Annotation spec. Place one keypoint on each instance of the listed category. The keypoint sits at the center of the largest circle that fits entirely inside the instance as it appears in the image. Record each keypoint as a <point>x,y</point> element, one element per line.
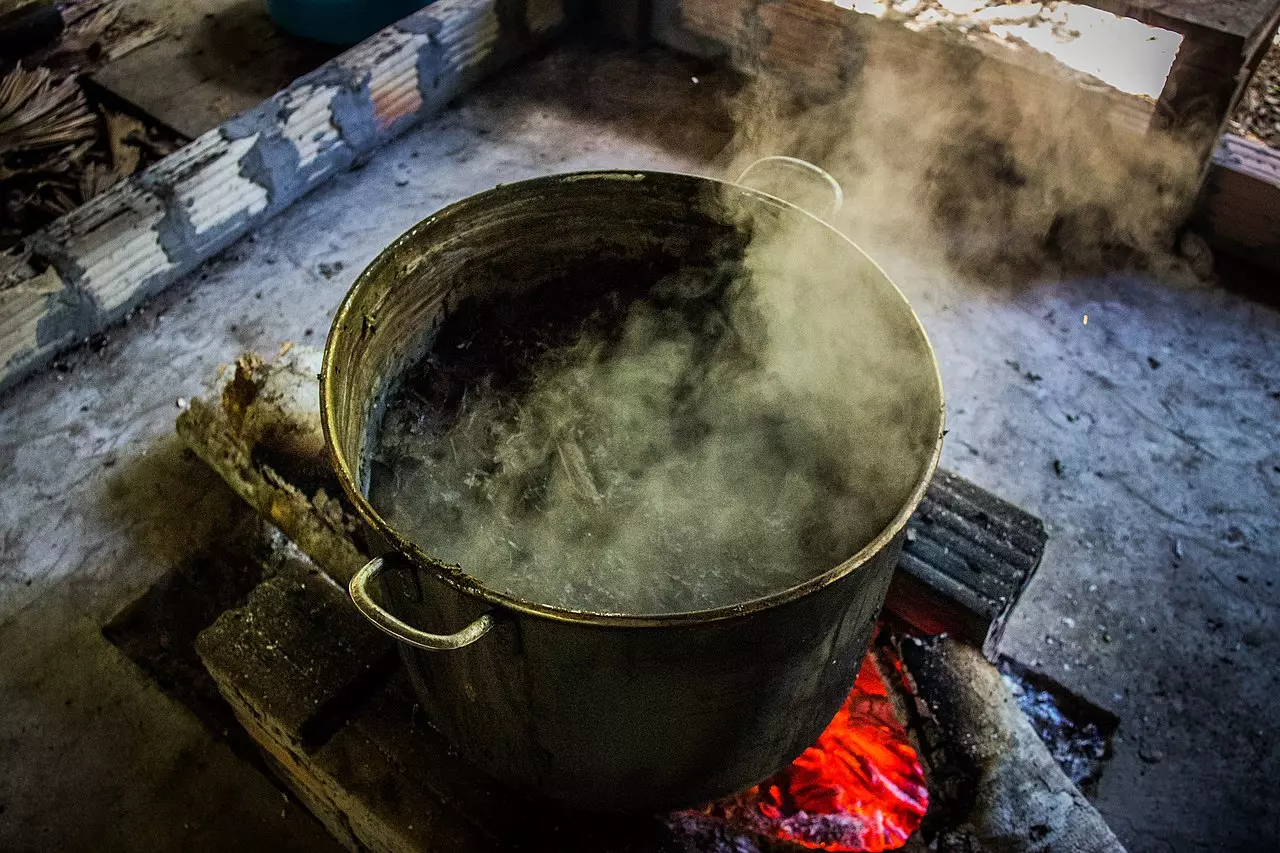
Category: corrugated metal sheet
<point>114,243</point>
<point>218,191</point>
<point>468,32</point>
<point>122,251</point>
<point>22,306</point>
<point>309,125</point>
<point>395,94</point>
<point>391,61</point>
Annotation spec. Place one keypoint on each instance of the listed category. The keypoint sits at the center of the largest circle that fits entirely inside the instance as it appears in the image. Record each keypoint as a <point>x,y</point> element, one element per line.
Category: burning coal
<point>859,788</point>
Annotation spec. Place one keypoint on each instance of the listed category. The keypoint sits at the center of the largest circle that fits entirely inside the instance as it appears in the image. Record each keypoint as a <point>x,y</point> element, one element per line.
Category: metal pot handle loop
<point>837,191</point>
<point>403,631</point>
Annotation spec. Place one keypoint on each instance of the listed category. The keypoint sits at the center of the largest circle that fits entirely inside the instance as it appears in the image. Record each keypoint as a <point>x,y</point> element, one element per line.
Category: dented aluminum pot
<point>602,711</point>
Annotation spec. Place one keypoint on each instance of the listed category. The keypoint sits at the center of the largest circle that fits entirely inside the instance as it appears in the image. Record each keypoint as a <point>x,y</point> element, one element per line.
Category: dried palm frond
<point>89,30</point>
<point>12,262</point>
<point>122,130</point>
<point>69,158</point>
<point>36,113</point>
<point>9,7</point>
<point>19,84</point>
<point>97,178</point>
<point>54,199</point>
<point>97,34</point>
<point>138,38</point>
<point>76,10</point>
<point>55,163</point>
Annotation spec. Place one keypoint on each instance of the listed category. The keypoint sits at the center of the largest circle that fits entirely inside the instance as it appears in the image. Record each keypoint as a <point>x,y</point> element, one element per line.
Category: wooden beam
<point>1239,210</point>
<point>966,561</point>
<point>239,435</point>
<point>378,776</point>
<point>1201,89</point>
<point>1241,19</point>
<point>295,649</point>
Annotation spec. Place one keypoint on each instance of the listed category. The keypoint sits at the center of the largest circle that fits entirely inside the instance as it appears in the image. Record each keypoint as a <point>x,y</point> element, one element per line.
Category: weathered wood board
<point>1239,210</point>
<point>1019,798</point>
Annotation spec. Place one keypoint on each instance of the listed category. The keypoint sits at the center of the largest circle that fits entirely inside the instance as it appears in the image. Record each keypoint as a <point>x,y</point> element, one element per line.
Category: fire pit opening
<point>860,787</point>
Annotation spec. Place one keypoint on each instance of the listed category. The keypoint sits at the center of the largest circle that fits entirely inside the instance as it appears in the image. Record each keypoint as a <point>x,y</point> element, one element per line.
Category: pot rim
<point>457,577</point>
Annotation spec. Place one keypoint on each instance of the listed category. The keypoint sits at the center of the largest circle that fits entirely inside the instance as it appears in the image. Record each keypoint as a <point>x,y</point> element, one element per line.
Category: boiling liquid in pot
<point>621,451</point>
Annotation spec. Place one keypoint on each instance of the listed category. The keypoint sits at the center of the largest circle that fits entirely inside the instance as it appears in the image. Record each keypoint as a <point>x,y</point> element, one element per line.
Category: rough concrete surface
<point>1156,597</point>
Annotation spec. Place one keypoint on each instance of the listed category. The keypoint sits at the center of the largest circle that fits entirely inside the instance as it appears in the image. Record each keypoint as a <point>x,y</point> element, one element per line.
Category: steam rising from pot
<point>998,172</point>
<point>629,442</point>
<point>644,441</point>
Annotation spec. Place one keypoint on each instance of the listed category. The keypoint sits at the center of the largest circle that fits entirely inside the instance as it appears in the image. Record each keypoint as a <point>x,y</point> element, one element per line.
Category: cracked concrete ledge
<point>91,267</point>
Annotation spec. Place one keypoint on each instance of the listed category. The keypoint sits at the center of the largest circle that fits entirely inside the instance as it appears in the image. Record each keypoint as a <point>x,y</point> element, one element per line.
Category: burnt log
<point>1003,790</point>
<point>262,435</point>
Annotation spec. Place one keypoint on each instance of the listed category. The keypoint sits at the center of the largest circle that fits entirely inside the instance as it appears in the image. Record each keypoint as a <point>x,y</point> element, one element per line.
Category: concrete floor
<point>1157,597</point>
<point>218,58</point>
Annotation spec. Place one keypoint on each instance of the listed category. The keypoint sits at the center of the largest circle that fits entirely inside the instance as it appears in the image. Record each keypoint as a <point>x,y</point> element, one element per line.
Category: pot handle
<point>795,163</point>
<point>403,631</point>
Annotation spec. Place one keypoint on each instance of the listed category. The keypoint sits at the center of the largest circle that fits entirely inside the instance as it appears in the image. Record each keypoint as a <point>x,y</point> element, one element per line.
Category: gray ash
<point>1077,735</point>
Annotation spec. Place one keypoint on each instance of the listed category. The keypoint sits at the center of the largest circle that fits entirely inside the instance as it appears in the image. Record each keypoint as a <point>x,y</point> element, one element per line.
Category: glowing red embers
<point>859,788</point>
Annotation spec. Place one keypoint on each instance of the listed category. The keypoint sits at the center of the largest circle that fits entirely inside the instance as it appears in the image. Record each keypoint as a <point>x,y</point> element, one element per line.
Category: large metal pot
<point>598,711</point>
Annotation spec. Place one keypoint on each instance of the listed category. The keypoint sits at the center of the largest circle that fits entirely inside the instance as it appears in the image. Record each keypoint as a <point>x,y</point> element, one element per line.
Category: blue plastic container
<point>339,21</point>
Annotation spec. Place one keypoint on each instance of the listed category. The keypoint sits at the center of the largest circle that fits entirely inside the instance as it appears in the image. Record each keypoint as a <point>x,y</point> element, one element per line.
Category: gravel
<point>1257,116</point>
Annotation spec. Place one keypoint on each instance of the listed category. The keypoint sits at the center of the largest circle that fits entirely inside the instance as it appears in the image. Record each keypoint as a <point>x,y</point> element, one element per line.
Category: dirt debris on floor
<point>220,58</point>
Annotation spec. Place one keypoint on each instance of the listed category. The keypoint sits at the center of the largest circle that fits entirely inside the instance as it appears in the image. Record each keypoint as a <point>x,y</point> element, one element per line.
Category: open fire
<point>859,788</point>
